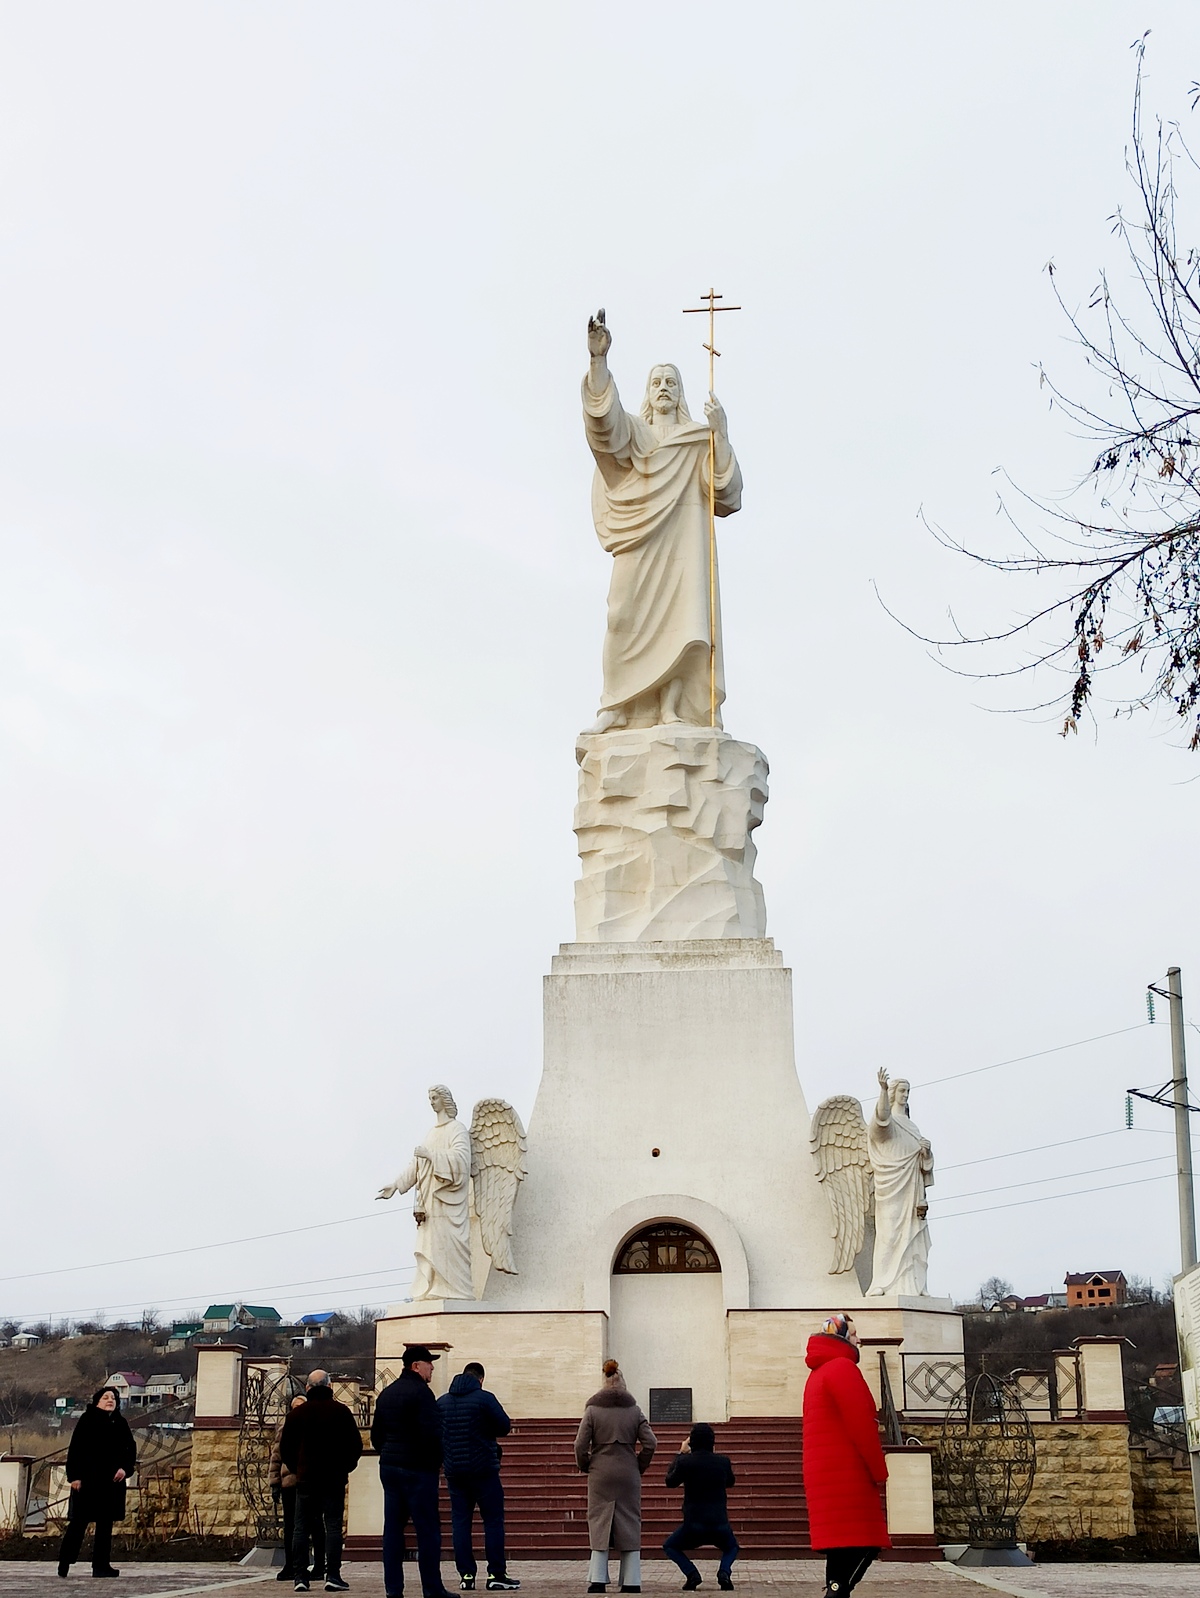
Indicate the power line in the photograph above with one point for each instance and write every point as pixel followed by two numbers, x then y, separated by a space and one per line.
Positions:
pixel 1039 1147
pixel 1007 1187
pixel 1109 1187
pixel 192 1298
pixel 1040 1054
pixel 199 1248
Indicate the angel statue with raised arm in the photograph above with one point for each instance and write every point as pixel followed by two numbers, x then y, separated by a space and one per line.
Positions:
pixel 881 1167
pixel 455 1172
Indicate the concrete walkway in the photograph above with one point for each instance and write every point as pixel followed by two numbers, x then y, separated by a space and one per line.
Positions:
pixel 766 1578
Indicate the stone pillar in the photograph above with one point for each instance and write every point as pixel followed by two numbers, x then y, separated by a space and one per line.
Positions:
pixel 14 1489
pixel 219 1384
pixel 1102 1378
pixel 910 1497
pixel 364 1505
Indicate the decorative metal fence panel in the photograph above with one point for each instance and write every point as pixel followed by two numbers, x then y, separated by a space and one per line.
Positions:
pixel 1047 1384
pixel 933 1383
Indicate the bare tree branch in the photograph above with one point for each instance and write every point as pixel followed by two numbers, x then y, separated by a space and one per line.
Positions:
pixel 1124 543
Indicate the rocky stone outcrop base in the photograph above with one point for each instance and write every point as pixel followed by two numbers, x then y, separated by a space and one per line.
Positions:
pixel 664 824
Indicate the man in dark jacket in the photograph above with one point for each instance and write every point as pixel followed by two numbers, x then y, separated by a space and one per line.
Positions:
pixel 406 1433
pixel 472 1420
pixel 320 1445
pixel 704 1476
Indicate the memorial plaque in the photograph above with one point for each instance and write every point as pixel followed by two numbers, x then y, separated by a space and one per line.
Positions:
pixel 669 1404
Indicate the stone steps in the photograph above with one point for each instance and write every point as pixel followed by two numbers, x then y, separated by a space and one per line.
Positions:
pixel 546 1494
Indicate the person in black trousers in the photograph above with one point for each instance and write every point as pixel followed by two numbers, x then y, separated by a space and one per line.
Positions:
pixel 704 1477
pixel 406 1433
pixel 283 1491
pixel 320 1445
pixel 102 1453
pixel 472 1420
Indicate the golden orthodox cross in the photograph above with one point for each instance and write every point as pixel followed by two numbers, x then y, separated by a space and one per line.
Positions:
pixel 711 310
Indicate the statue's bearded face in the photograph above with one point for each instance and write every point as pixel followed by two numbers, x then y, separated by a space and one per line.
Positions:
pixel 663 391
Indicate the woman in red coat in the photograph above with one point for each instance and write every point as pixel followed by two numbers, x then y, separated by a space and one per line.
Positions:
pixel 844 1467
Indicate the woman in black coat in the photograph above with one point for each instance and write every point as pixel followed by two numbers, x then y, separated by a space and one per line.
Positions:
pixel 101 1455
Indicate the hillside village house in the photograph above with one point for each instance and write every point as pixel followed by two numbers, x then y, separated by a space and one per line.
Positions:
pixel 1092 1289
pixel 130 1386
pixel 135 1390
pixel 312 1327
pixel 173 1385
pixel 182 1333
pixel 229 1317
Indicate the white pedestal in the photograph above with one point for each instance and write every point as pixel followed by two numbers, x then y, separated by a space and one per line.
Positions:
pixel 669 1094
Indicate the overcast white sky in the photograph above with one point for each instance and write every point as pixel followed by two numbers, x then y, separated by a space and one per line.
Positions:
pixel 302 606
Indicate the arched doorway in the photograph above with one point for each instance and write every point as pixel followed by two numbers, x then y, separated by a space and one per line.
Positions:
pixel 667 1315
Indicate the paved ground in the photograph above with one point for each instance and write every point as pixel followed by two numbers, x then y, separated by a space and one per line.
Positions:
pixel 767 1578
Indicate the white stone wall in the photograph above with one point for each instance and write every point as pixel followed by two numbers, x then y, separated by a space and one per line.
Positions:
pixel 669 1331
pixel 685 1048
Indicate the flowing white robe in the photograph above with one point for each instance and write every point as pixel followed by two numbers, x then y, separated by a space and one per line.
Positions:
pixel 650 506
pixel 903 1168
pixel 443 1250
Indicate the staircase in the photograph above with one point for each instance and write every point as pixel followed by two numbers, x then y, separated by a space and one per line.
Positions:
pixel 546 1494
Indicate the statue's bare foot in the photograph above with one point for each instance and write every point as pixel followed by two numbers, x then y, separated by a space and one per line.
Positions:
pixel 606 721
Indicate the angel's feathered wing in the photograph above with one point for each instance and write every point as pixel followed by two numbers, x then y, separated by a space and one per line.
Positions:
pixel 498 1169
pixel 839 1148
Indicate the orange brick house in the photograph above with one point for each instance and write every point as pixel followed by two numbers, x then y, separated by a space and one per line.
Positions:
pixel 1092 1289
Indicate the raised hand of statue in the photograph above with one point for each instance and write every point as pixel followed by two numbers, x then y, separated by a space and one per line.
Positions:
pixel 599 338
pixel 881 1077
pixel 715 412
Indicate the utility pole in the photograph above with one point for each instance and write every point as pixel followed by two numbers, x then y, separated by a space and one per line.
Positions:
pixel 1174 1095
pixel 1183 1129
pixel 1183 1165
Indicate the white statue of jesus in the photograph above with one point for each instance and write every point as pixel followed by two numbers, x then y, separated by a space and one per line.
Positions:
pixel 650 505
pixel 440 1170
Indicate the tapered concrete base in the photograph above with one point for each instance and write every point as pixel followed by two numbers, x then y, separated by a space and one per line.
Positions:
pixel 994 1556
pixel 264 1556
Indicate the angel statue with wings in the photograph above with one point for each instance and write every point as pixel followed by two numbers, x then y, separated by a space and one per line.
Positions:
pixel 882 1167
pixel 454 1172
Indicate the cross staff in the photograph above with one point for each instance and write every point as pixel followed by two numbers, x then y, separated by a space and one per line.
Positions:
pixel 698 310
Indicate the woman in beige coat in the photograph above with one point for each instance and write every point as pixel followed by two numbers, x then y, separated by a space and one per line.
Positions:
pixel 614 1445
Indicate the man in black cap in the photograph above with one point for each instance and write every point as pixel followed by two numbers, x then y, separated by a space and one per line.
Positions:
pixel 704 1476
pixel 406 1433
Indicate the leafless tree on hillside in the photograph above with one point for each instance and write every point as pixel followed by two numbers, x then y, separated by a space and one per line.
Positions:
pixel 993 1290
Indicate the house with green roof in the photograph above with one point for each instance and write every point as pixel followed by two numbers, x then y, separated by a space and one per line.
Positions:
pixel 229 1317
